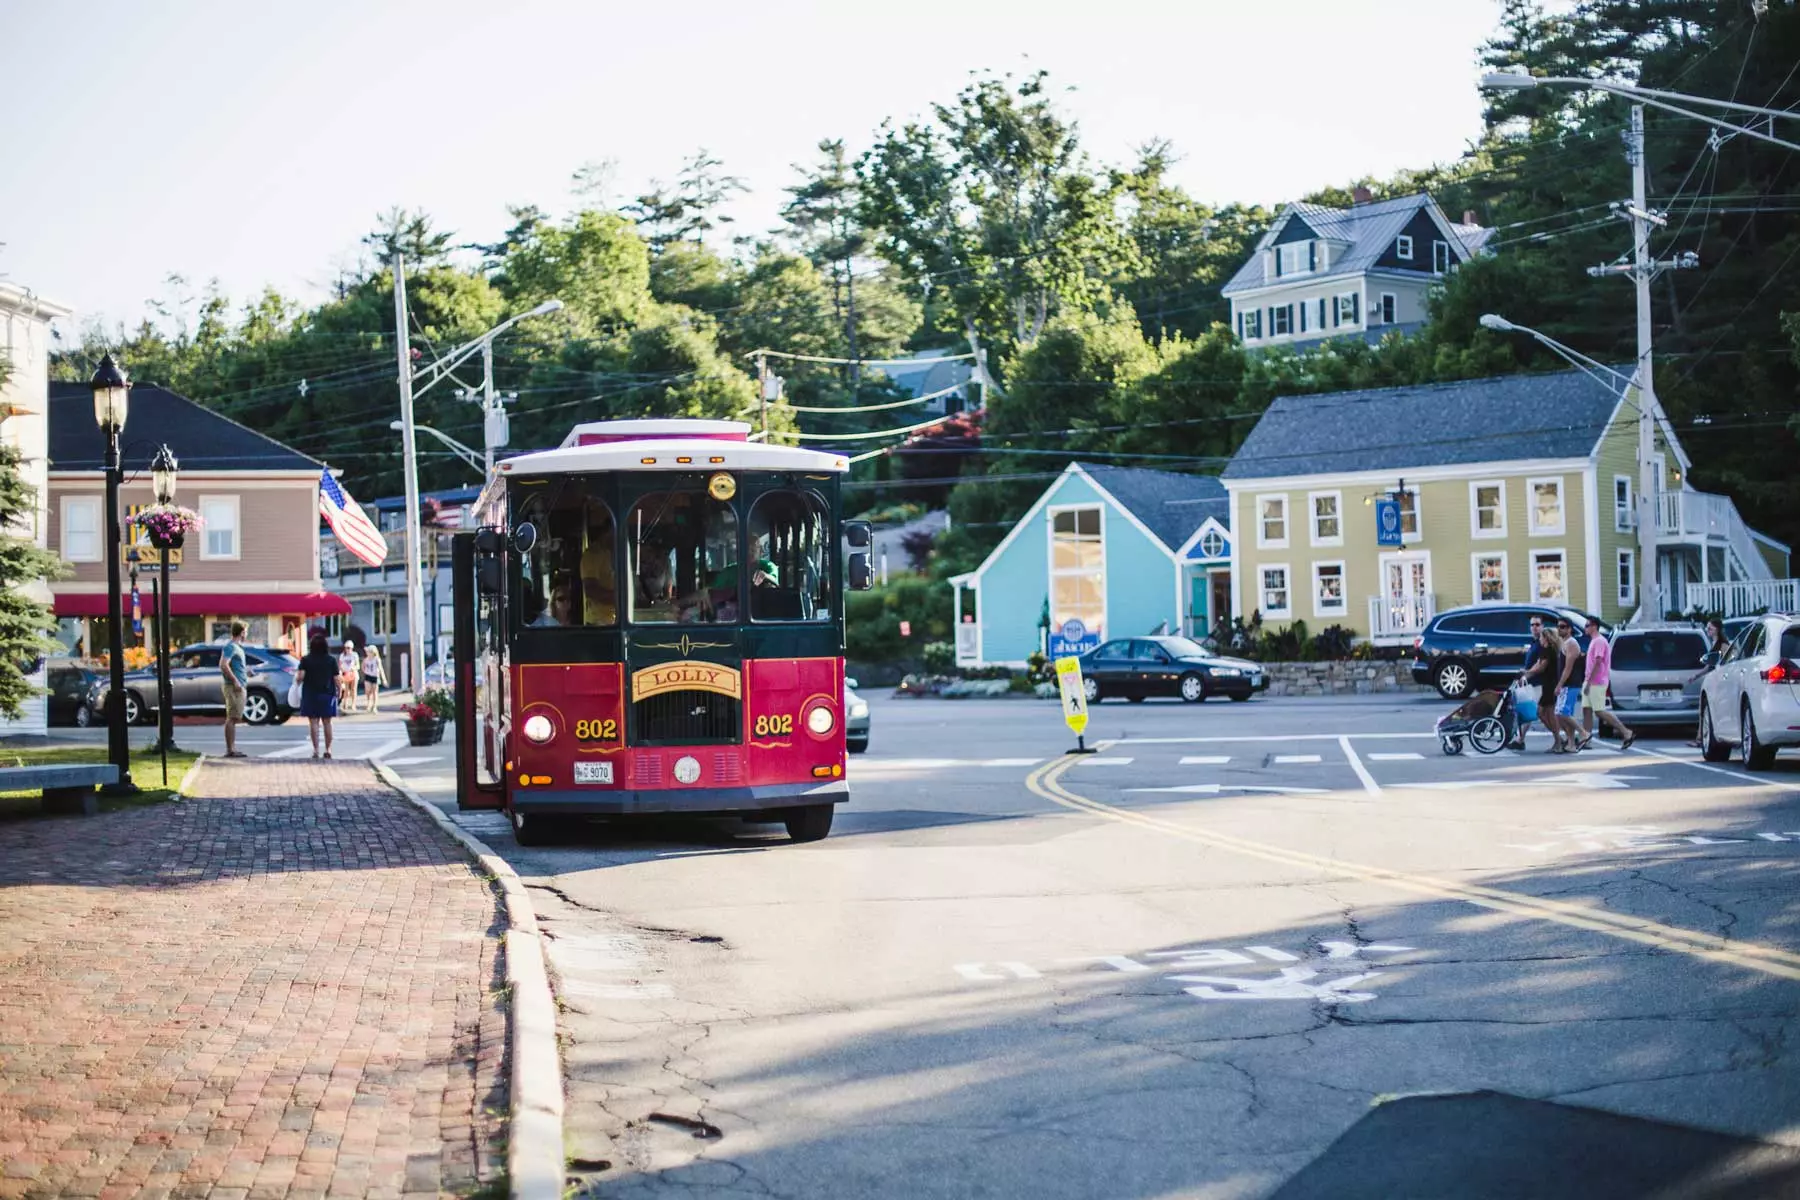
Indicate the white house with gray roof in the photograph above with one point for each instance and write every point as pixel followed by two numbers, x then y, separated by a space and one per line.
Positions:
pixel 1360 272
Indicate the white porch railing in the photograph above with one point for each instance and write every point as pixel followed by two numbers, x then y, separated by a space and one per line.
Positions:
pixel 1709 519
pixel 1744 597
pixel 1395 620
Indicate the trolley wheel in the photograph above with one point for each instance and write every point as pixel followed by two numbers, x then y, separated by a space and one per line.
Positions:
pixel 810 823
pixel 1488 735
pixel 531 829
pixel 1452 745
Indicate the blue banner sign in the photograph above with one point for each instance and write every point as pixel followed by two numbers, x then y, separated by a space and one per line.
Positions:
pixel 1387 523
pixel 1073 639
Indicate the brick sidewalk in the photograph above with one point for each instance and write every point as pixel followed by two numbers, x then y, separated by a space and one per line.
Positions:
pixel 288 986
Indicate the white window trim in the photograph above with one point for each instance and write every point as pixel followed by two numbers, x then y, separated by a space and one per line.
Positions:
pixel 1505 577
pixel 1287 521
pixel 1275 613
pixel 1296 249
pixel 1381 306
pixel 1052 571
pixel 1475 530
pixel 1449 259
pixel 1629 516
pixel 1356 308
pixel 1312 519
pixel 99 509
pixel 1418 535
pixel 1625 557
pixel 1319 610
pixel 1562 508
pixel 1543 553
pixel 1403 247
pixel 237 529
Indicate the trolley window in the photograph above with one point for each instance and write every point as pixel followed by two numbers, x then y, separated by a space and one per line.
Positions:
pixel 567 580
pixel 790 577
pixel 684 557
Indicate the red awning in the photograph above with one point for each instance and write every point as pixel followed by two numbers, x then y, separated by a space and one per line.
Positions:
pixel 200 604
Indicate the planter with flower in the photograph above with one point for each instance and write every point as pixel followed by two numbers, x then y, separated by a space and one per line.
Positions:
pixel 426 718
pixel 167 524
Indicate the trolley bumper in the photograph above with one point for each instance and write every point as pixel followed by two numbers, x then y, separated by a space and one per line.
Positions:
pixel 618 802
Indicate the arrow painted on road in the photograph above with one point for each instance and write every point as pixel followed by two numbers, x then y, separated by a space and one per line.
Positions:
pixel 1213 789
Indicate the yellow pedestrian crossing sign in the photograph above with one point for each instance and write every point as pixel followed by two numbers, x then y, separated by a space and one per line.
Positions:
pixel 1074 695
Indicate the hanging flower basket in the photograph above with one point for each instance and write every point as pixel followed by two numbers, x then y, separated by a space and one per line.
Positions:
pixel 426 719
pixel 167 524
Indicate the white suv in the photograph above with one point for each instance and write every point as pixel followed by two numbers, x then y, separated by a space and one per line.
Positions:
pixel 1752 697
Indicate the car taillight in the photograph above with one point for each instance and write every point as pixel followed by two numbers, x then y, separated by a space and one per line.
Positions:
pixel 1782 672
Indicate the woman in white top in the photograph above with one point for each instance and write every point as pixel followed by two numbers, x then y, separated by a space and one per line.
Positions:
pixel 348 663
pixel 374 675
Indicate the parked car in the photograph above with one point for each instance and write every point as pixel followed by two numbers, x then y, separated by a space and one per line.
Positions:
pixel 1751 700
pixel 69 680
pixel 856 719
pixel 1655 673
pixel 1138 668
pixel 1463 650
pixel 441 673
pixel 196 688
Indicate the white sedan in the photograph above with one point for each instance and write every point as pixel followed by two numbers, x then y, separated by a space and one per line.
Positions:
pixel 1751 699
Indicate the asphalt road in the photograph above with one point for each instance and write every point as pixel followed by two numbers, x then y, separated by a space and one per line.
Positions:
pixel 1243 950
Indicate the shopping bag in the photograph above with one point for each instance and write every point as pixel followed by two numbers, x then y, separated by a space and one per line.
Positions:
pixel 294 694
pixel 1525 703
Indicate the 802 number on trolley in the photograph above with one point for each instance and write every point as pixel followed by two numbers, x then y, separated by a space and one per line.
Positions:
pixel 775 725
pixel 597 730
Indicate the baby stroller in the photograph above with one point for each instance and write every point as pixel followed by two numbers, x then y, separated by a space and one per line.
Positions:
pixel 1490 722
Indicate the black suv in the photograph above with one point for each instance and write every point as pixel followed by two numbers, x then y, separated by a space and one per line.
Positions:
pixel 1465 649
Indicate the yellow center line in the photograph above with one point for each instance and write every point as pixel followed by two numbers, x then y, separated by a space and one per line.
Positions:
pixel 1046 781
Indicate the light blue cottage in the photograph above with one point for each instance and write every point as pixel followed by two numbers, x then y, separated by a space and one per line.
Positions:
pixel 1105 552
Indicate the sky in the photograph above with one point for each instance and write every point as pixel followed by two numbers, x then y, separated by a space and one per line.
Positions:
pixel 254 144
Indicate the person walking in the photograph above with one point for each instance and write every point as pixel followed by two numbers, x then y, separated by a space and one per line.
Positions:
pixel 1571 664
pixel 319 692
pixel 1599 680
pixel 1716 646
pixel 234 672
pixel 348 662
pixel 1540 671
pixel 374 676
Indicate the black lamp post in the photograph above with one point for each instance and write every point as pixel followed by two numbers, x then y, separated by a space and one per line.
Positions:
pixel 111 394
pixel 162 483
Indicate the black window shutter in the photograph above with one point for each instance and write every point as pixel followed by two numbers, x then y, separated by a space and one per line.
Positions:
pixel 1312 256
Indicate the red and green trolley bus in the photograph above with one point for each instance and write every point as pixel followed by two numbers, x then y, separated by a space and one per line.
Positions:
pixel 650 619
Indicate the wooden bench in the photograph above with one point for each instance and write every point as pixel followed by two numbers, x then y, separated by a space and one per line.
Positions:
pixel 68 787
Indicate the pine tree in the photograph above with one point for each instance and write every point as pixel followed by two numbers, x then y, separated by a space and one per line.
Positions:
pixel 25 625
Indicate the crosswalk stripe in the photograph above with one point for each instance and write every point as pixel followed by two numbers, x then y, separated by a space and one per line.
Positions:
pixel 1405 756
pixel 1204 760
pixel 1104 762
pixel 1296 758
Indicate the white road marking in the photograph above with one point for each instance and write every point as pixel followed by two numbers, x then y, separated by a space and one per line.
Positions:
pixel 385 749
pixel 290 752
pixel 1117 962
pixel 1296 758
pixel 1204 760
pixel 1103 762
pixel 1270 952
pixel 415 760
pixel 1399 756
pixel 1281 737
pixel 1746 780
pixel 1289 985
pixel 1213 789
pixel 978 971
pixel 1362 772
pixel 1591 780
pixel 1009 762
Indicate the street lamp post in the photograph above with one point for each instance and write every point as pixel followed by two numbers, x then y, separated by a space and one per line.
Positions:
pixel 111 396
pixel 162 481
pixel 429 376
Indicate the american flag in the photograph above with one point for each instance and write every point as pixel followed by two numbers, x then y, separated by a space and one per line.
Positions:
pixel 347 521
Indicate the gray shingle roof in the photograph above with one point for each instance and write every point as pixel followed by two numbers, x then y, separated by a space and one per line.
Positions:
pixel 1503 419
pixel 1171 505
pixel 202 439
pixel 1368 228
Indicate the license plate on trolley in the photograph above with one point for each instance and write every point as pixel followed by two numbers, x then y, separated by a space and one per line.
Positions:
pixel 593 772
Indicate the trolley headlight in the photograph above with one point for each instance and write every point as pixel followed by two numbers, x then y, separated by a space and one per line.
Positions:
pixel 539 729
pixel 820 720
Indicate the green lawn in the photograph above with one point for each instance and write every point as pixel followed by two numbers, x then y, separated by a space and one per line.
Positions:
pixel 146 772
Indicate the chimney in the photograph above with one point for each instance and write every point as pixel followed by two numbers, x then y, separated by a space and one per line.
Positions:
pixel 1469 217
pixel 1361 194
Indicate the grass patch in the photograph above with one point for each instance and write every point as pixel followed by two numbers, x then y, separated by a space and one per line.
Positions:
pixel 146 772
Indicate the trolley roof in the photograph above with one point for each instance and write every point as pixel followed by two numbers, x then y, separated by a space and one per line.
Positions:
pixel 671 444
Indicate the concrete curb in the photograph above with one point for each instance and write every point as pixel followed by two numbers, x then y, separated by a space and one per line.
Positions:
pixel 534 1145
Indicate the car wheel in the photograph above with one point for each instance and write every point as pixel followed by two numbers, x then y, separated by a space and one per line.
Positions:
pixel 856 745
pixel 259 707
pixel 810 823
pixel 84 716
pixel 1711 748
pixel 1452 679
pixel 1193 688
pixel 1090 687
pixel 135 712
pixel 529 829
pixel 1755 755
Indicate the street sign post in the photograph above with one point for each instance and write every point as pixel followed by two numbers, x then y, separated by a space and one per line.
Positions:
pixel 1074 701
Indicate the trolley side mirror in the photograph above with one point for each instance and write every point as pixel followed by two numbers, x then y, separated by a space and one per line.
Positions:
pixel 858 534
pixel 524 537
pixel 862 576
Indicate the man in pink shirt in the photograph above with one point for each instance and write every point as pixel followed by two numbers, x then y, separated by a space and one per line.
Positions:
pixel 1599 677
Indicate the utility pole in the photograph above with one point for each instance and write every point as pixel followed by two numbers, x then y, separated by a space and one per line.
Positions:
pixel 496 429
pixel 1643 269
pixel 762 392
pixel 415 599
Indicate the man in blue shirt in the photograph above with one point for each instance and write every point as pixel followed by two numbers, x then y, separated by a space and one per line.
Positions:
pixel 235 670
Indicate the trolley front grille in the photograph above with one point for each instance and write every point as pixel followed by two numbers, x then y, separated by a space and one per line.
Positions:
pixel 686 718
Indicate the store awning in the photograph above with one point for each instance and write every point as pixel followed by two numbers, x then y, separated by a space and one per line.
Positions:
pixel 201 604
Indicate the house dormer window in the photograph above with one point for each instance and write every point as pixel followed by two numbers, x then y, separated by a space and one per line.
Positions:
pixel 1403 248
pixel 1294 258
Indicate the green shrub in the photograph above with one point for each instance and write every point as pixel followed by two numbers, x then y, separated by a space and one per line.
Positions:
pixel 940 657
pixel 872 619
pixel 1020 683
pixel 1334 643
